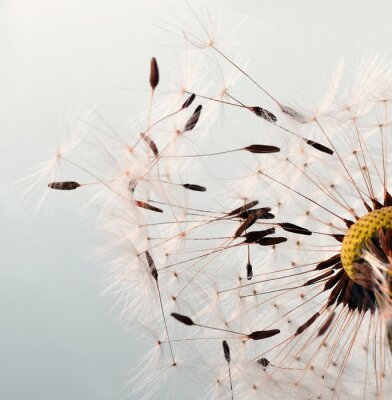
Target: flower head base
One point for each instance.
(358, 236)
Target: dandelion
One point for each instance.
(269, 271)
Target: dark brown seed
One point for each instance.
(387, 199)
(245, 225)
(307, 324)
(293, 114)
(319, 278)
(338, 288)
(249, 271)
(151, 265)
(260, 213)
(339, 238)
(226, 350)
(326, 324)
(295, 229)
(189, 101)
(244, 208)
(183, 319)
(259, 335)
(192, 121)
(141, 204)
(264, 362)
(348, 222)
(263, 113)
(328, 263)
(196, 188)
(151, 144)
(252, 237)
(271, 241)
(319, 146)
(154, 73)
(262, 149)
(331, 282)
(376, 204)
(68, 185)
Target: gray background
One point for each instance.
(59, 339)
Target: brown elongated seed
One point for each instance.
(245, 225)
(263, 113)
(271, 241)
(259, 335)
(307, 324)
(196, 188)
(192, 121)
(226, 350)
(319, 278)
(328, 263)
(262, 149)
(151, 144)
(341, 283)
(295, 229)
(249, 271)
(326, 324)
(254, 236)
(263, 361)
(141, 204)
(151, 265)
(244, 208)
(331, 282)
(154, 73)
(295, 115)
(67, 185)
(188, 101)
(319, 147)
(182, 318)
(262, 213)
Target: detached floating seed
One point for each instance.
(188, 101)
(263, 113)
(67, 185)
(262, 149)
(151, 144)
(192, 121)
(154, 73)
(319, 147)
(196, 188)
(151, 265)
(295, 115)
(147, 206)
(183, 319)
(226, 350)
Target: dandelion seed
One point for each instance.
(68, 185)
(191, 123)
(154, 73)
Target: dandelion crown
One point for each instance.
(258, 265)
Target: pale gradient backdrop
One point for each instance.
(59, 339)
